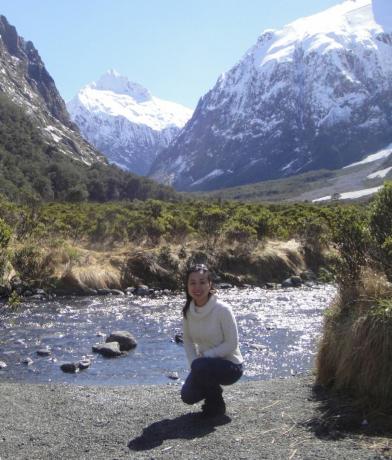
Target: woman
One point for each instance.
(211, 343)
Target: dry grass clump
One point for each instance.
(272, 261)
(356, 349)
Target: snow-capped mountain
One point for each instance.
(125, 122)
(315, 94)
(25, 81)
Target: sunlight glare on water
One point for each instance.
(278, 332)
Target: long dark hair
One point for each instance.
(195, 269)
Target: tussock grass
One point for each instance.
(356, 349)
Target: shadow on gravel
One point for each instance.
(188, 426)
(339, 417)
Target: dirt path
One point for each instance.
(265, 420)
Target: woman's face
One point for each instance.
(199, 287)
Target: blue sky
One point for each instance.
(175, 48)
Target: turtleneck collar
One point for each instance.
(204, 310)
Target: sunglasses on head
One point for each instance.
(198, 267)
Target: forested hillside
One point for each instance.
(32, 170)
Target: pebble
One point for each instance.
(44, 352)
(173, 376)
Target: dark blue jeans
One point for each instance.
(206, 377)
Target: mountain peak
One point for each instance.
(119, 84)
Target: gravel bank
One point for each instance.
(265, 420)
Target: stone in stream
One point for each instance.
(44, 352)
(296, 281)
(142, 290)
(105, 291)
(293, 281)
(224, 286)
(3, 365)
(110, 350)
(179, 338)
(173, 376)
(84, 364)
(125, 339)
(27, 361)
(70, 368)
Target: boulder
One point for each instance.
(3, 365)
(142, 290)
(116, 292)
(124, 338)
(27, 361)
(224, 286)
(84, 364)
(104, 291)
(296, 281)
(173, 376)
(270, 286)
(70, 367)
(178, 338)
(44, 352)
(287, 283)
(110, 350)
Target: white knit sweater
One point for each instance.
(211, 331)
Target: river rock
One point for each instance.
(110, 350)
(116, 292)
(84, 364)
(179, 338)
(296, 281)
(173, 376)
(125, 339)
(270, 286)
(104, 291)
(71, 368)
(142, 290)
(27, 361)
(44, 352)
(224, 286)
(3, 365)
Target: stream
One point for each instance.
(278, 332)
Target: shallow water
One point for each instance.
(278, 332)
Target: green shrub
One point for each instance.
(240, 232)
(5, 234)
(351, 237)
(32, 264)
(381, 227)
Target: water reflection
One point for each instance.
(278, 331)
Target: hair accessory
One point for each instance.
(199, 267)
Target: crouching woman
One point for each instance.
(211, 344)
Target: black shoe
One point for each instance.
(213, 408)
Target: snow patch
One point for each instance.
(385, 153)
(52, 130)
(381, 173)
(351, 195)
(211, 175)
